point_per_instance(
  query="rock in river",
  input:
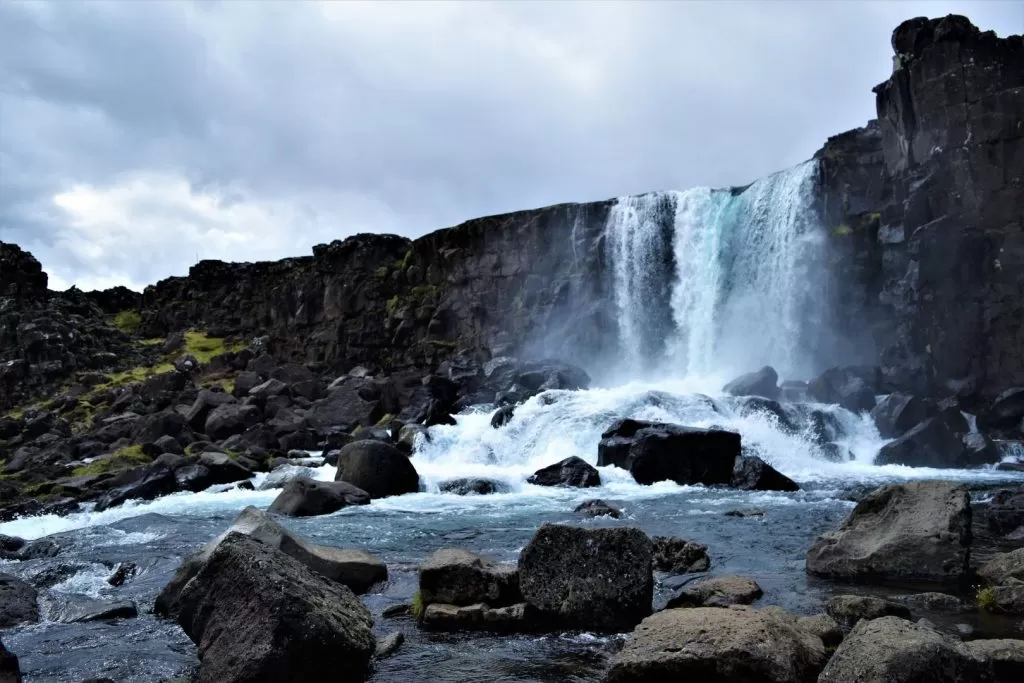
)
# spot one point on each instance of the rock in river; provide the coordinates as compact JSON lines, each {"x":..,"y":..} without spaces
{"x":764,"y":382}
{"x":893,"y":650}
{"x":354,"y":568}
{"x":714,"y":645}
{"x":919,"y":531}
{"x":10,"y":671}
{"x":573,"y":471}
{"x":655,"y":451}
{"x":17,"y":602}
{"x":720,"y":591}
{"x":459,"y":577}
{"x":307,"y":498}
{"x":378,"y":468}
{"x":258,"y":615}
{"x":595,"y":579}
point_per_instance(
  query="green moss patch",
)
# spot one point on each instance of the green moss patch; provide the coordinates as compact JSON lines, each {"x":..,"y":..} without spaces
{"x":128,"y":321}
{"x":126,"y":458}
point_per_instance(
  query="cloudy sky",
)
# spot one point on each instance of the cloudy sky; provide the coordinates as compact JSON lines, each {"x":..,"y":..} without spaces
{"x":138,"y":137}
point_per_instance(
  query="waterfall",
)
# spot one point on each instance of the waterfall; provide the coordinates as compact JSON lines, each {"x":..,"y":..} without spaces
{"x":708,"y":281}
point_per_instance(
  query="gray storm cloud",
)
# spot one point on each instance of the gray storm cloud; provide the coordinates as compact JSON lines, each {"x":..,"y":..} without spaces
{"x":138,"y":137}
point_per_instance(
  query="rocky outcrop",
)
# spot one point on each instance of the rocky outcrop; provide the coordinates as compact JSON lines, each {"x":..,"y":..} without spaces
{"x":719,"y":645}
{"x":593,"y":579}
{"x":921,"y":211}
{"x":655,"y":451}
{"x":892,"y":650}
{"x":919,"y":531}
{"x":258,"y":615}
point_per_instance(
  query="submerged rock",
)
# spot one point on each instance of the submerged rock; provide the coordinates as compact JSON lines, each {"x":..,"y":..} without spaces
{"x":751,"y":473}
{"x":893,"y":650}
{"x":388,"y":645}
{"x":377,"y":468}
{"x":654,"y":451}
{"x":459,"y":577}
{"x":676,"y":556}
{"x":512,"y":618}
{"x":714,"y":645}
{"x":598,"y":508}
{"x":502,"y":416}
{"x":466,"y":487}
{"x":594,"y":579}
{"x":914,"y":532}
{"x":720,"y":591}
{"x":87,"y":609}
{"x":308,"y":498}
{"x":574,"y":472}
{"x":18,"y":602}
{"x":764,"y":382}
{"x":257,"y":614}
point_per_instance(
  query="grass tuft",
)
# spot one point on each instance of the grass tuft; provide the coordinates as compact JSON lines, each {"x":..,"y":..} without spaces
{"x":986,"y":599}
{"x":416,"y":606}
{"x":125,"y":458}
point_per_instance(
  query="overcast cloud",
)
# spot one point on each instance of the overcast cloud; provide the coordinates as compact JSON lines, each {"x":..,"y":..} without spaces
{"x":138,"y":137}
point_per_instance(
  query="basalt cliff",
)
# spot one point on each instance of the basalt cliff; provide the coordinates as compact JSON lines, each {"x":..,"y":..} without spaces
{"x":921,"y":209}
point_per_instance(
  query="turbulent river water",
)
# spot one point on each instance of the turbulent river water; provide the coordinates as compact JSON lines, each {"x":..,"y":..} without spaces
{"x":707,"y":283}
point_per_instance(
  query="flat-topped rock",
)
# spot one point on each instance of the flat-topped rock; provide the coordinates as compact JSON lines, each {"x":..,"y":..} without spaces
{"x":458,"y":577}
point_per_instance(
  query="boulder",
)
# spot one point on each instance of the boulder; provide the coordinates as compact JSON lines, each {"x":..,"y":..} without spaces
{"x":513,"y":618}
{"x":897,"y":414}
{"x":465,"y":487}
{"x":230,"y":419}
{"x":155,"y":482}
{"x":87,"y":609}
{"x":893,"y":650}
{"x":932,"y":602}
{"x":654,"y":451}
{"x":408,"y":436}
{"x":823,"y":626}
{"x":257,"y":614}
{"x":205,"y":402}
{"x":1005,"y":658}
{"x":714,"y":645}
{"x":853,"y":388}
{"x":18,"y":602}
{"x":267,"y":390}
{"x":377,"y":468}
{"x":169,"y":444}
{"x":502,"y":416}
{"x":1005,"y":512}
{"x":10,"y":671}
{"x":588,"y":578}
{"x":166,"y":423}
{"x":1003,"y":568}
{"x":223,"y":468}
{"x":598,"y":508}
{"x":676,"y":556}
{"x":345,"y":408}
{"x":459,"y":577}
{"x":720,"y":591}
{"x":847,"y":610}
{"x":944,"y":441}
{"x":751,"y":473}
{"x":764,"y":382}
{"x":304,"y":497}
{"x":914,"y":532}
{"x":388,"y":645}
{"x":574,"y":472}
{"x":282,"y":474}
{"x":1007,"y":410}
{"x":356,"y":569}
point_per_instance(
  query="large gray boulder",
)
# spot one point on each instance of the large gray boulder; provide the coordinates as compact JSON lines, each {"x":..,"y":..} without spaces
{"x":914,"y":532}
{"x":356,"y":569}
{"x":595,"y":579}
{"x":377,"y":468}
{"x":656,"y":451}
{"x":304,"y":497}
{"x":257,"y":614}
{"x":459,"y":577}
{"x":18,"y":602}
{"x":893,"y":650}
{"x":229,"y":419}
{"x":714,"y":645}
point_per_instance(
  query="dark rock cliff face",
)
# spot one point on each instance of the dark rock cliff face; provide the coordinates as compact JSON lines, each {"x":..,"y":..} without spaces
{"x":924,"y":206}
{"x":523,"y":282}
